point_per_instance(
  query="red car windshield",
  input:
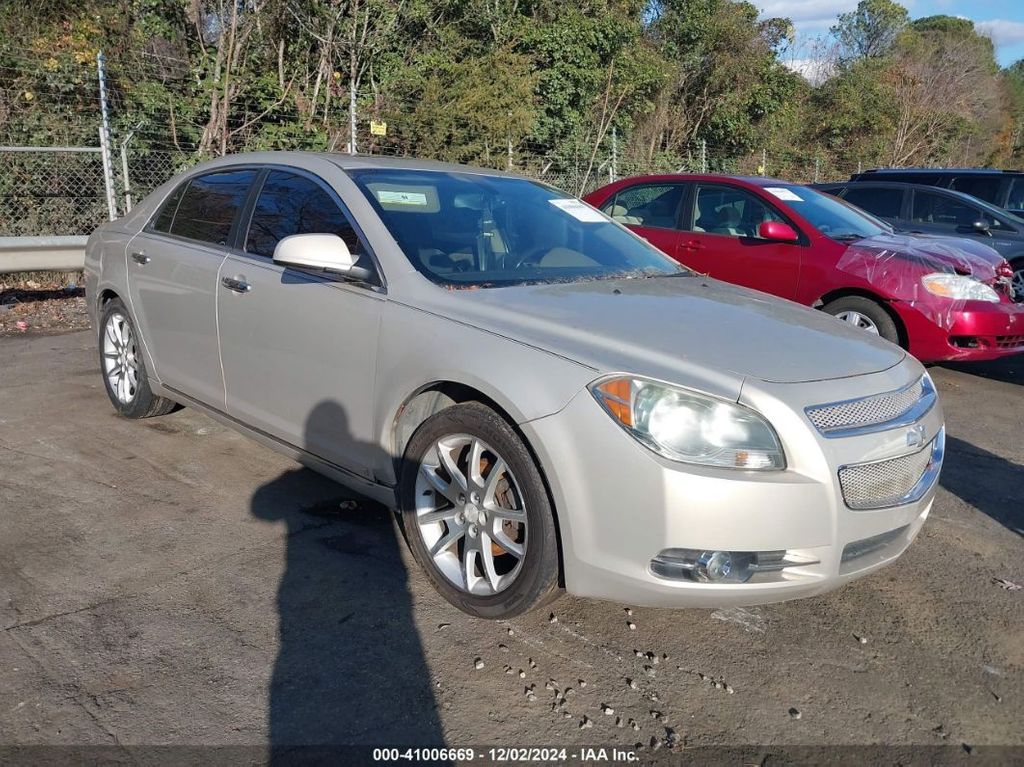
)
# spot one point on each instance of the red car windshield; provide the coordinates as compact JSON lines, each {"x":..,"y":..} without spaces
{"x":828,"y":215}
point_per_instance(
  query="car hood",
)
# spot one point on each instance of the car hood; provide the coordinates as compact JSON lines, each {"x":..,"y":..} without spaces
{"x":686,"y":329}
{"x":938,"y":253}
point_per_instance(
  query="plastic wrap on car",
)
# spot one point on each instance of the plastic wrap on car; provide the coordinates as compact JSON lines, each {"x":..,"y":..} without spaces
{"x":894,"y":265}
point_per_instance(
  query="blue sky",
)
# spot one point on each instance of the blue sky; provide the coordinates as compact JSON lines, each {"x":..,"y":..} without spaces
{"x":1002,"y":20}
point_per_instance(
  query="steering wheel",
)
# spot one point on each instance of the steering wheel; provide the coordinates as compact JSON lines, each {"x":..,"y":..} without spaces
{"x":531,"y":256}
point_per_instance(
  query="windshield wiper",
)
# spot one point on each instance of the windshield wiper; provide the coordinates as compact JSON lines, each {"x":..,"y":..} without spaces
{"x":848,"y":236}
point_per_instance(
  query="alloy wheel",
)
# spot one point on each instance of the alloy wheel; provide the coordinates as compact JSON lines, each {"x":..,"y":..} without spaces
{"x":858,"y":320}
{"x":471,"y":515}
{"x":1018,"y":284}
{"x":120,"y":358}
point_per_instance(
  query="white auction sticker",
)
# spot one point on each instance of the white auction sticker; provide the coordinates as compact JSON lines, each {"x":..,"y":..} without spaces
{"x":783,"y":194}
{"x":579,"y":210}
{"x":401,"y":198}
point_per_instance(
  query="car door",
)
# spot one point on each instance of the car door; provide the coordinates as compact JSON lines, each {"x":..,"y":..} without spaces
{"x":173,"y":267}
{"x":650,"y":209}
{"x":299,"y":347}
{"x":721,"y":239}
{"x":884,"y":202}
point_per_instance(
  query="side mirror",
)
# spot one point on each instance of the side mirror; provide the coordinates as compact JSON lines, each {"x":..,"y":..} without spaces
{"x":777,"y":231}
{"x":980,"y":226}
{"x":327,"y":252}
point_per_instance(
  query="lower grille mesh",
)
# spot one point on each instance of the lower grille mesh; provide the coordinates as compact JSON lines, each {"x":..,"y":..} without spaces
{"x":877,"y":485}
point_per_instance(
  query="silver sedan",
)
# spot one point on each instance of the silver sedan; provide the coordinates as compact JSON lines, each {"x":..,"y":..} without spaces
{"x":548,"y":401}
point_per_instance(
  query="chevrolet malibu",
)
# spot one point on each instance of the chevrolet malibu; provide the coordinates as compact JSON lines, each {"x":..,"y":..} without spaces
{"x":548,"y":401}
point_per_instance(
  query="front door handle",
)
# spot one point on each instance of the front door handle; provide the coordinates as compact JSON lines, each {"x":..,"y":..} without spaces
{"x":693,"y":245}
{"x":235,"y":285}
{"x":140,"y":258}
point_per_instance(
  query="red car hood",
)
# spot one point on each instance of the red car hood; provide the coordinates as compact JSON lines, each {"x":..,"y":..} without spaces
{"x":931,"y":253}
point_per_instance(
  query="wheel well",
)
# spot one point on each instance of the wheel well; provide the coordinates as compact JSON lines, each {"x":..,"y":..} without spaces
{"x":438,"y":396}
{"x":104,"y":297}
{"x":901,"y":330}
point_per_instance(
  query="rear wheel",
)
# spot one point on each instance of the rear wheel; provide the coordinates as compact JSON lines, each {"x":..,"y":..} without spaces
{"x":476,"y":514}
{"x":863,"y":313}
{"x":124,"y":371}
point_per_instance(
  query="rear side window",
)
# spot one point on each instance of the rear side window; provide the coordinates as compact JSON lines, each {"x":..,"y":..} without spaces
{"x":646,"y":205}
{"x":208,"y":206}
{"x":983,"y":187}
{"x":1015,"y":195}
{"x":883,"y":202}
{"x":291,"y":204}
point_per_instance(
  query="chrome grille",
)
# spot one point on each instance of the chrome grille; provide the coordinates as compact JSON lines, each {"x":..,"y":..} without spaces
{"x":874,"y":411}
{"x":884,"y":483}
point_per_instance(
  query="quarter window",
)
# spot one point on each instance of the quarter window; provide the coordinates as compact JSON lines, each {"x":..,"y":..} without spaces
{"x":730,"y":211}
{"x":208,"y":206}
{"x":654,"y":205}
{"x":291,"y":204}
{"x":883,"y":202}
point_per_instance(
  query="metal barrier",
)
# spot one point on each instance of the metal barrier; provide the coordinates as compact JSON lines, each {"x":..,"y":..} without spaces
{"x":38,"y":254}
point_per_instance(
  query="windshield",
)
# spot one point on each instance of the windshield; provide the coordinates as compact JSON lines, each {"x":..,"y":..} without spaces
{"x":830,"y":216}
{"x":465,"y":229}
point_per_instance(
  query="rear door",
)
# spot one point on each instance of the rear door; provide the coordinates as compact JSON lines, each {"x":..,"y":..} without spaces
{"x":720,"y":238}
{"x":299,"y":347}
{"x":173,"y":269}
{"x":651,"y":210}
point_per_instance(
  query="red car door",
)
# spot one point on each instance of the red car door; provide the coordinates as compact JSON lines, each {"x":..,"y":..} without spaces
{"x":721,"y":239}
{"x":651,"y":210}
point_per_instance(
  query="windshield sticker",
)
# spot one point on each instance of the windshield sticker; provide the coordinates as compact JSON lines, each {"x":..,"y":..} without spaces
{"x":783,"y":194}
{"x":402,"y":198}
{"x":580,"y":211}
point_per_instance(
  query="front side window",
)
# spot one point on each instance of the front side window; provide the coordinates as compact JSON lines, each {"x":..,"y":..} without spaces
{"x":832,"y":217}
{"x":884,"y":202}
{"x":944,"y":211}
{"x":208,"y":206}
{"x":470,"y":229}
{"x":655,"y":205}
{"x":292,"y":204}
{"x":729,"y":211}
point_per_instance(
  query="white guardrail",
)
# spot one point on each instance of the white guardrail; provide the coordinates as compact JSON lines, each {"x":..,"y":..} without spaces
{"x":41,"y":254}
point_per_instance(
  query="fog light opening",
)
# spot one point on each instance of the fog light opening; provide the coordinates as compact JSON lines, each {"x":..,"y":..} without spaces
{"x":713,"y":566}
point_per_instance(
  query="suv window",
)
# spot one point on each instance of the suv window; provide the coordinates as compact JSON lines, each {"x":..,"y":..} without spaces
{"x":938,"y":209}
{"x":207,"y":206}
{"x":729,"y":211}
{"x":983,"y":187}
{"x":646,"y":205}
{"x":881,"y":201}
{"x":292,"y":204}
{"x":1015,"y":195}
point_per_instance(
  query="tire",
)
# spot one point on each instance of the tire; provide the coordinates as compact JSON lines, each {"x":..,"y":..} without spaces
{"x":504,"y":536}
{"x":123,"y":368}
{"x":866,"y":314}
{"x":1018,"y":279}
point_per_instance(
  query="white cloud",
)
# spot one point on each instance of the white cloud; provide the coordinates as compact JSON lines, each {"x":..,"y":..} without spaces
{"x":818,"y":13}
{"x":815,"y":71}
{"x":1002,"y":31}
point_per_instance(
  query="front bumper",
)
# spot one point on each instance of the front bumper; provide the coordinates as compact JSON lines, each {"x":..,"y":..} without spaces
{"x":619,"y":504}
{"x":969,"y":331}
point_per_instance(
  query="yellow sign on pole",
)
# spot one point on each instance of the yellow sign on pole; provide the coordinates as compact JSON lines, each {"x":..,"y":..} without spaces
{"x":378,"y":128}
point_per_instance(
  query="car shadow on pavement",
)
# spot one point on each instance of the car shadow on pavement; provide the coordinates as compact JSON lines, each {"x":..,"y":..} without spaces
{"x":986,"y":481}
{"x":1008,"y":369}
{"x":350,"y":669}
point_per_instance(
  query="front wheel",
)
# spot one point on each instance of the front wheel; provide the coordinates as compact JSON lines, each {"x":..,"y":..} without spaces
{"x":865,"y":314}
{"x":124,"y":371}
{"x":1018,"y":280}
{"x":476,"y":514}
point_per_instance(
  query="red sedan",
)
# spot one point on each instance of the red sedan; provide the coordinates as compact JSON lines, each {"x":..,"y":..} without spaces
{"x":941,"y":298}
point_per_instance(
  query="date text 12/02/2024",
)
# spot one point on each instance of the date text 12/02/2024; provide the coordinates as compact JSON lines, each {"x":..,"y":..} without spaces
{"x":505,"y":754}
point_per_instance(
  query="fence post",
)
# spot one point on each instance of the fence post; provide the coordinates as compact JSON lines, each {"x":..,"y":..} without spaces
{"x":615,"y":154}
{"x":352,"y":119}
{"x":703,"y":155}
{"x":764,"y":161}
{"x":108,"y":165}
{"x":124,"y":172}
{"x":817,"y":169}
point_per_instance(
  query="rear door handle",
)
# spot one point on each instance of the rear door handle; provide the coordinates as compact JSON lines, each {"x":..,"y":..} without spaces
{"x":235,"y":285}
{"x":693,"y":245}
{"x":140,"y":258}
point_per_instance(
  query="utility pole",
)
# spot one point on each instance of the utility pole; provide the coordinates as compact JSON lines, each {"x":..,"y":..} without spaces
{"x":351,"y":119}
{"x":615,"y":153}
{"x":108,"y":165}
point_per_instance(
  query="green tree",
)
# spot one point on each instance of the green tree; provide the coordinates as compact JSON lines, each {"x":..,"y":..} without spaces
{"x":870,"y":30}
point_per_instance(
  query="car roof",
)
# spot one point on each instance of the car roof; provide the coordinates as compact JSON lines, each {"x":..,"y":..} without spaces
{"x":345,"y":162}
{"x":940,"y":190}
{"x":751,"y":180}
{"x":961,"y":171}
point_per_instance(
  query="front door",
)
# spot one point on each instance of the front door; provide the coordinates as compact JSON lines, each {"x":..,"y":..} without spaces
{"x":299,"y":348}
{"x":173,"y":267}
{"x":722,"y":240}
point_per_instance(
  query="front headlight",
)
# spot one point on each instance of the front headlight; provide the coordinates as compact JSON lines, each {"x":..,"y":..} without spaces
{"x":689,"y":427}
{"x":959,"y":287}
